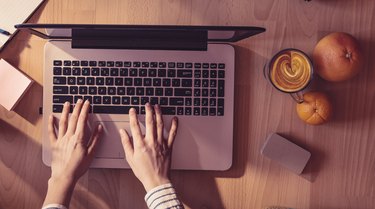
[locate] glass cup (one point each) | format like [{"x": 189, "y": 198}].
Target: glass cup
[{"x": 289, "y": 71}]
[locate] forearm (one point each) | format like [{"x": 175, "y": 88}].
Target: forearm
[
  {"x": 59, "y": 191},
  {"x": 163, "y": 196}
]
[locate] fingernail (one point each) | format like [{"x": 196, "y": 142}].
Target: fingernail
[
  {"x": 100, "y": 127},
  {"x": 66, "y": 103},
  {"x": 147, "y": 104},
  {"x": 157, "y": 106},
  {"x": 79, "y": 101},
  {"x": 87, "y": 101}
]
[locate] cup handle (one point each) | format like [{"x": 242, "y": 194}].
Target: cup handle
[{"x": 298, "y": 97}]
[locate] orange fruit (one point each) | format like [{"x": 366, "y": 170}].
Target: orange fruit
[
  {"x": 315, "y": 108},
  {"x": 337, "y": 57}
]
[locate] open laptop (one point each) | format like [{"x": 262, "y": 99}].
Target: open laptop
[{"x": 188, "y": 70}]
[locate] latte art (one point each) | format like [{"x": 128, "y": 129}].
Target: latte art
[{"x": 290, "y": 71}]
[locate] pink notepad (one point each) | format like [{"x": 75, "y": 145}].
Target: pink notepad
[{"x": 13, "y": 84}]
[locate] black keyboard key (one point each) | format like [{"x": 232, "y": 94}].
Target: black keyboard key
[
  {"x": 162, "y": 64},
  {"x": 197, "y": 83},
  {"x": 99, "y": 81},
  {"x": 197, "y": 111},
  {"x": 133, "y": 72},
  {"x": 84, "y": 63},
  {"x": 57, "y": 71},
  {"x": 168, "y": 110},
  {"x": 95, "y": 71},
  {"x": 111, "y": 90},
  {"x": 67, "y": 71},
  {"x": 213, "y": 74},
  {"x": 93, "y": 90},
  {"x": 213, "y": 65},
  {"x": 147, "y": 82},
  {"x": 156, "y": 82},
  {"x": 92, "y": 63},
  {"x": 197, "y": 102},
  {"x": 197, "y": 92},
  {"x": 221, "y": 66},
  {"x": 188, "y": 101},
  {"x": 159, "y": 92},
  {"x": 119, "y": 81},
  {"x": 185, "y": 92},
  {"x": 171, "y": 64},
  {"x": 76, "y": 98},
  {"x": 143, "y": 72},
  {"x": 204, "y": 111},
  {"x": 162, "y": 72},
  {"x": 140, "y": 91},
  {"x": 136, "y": 64},
  {"x": 176, "y": 101},
  {"x": 171, "y": 73},
  {"x": 110, "y": 63},
  {"x": 62, "y": 99},
  {"x": 212, "y": 111},
  {"x": 152, "y": 72},
  {"x": 205, "y": 83},
  {"x": 72, "y": 80},
  {"x": 145, "y": 64},
  {"x": 149, "y": 91},
  {"x": 204, "y": 102},
  {"x": 186, "y": 83},
  {"x": 188, "y": 65},
  {"x": 180, "y": 110},
  {"x": 119, "y": 64},
  {"x": 135, "y": 101},
  {"x": 104, "y": 71},
  {"x": 213, "y": 102},
  {"x": 90, "y": 81},
  {"x": 109, "y": 81},
  {"x": 124, "y": 72},
  {"x": 187, "y": 110},
  {"x": 180, "y": 65},
  {"x": 125, "y": 100},
  {"x": 137, "y": 81},
  {"x": 73, "y": 90},
  {"x": 176, "y": 82},
  {"x": 86, "y": 71},
  {"x": 205, "y": 74},
  {"x": 107, "y": 100},
  {"x": 114, "y": 72},
  {"x": 163, "y": 101},
  {"x": 67, "y": 63},
  {"x": 197, "y": 65},
  {"x": 75, "y": 63},
  {"x": 221, "y": 74},
  {"x": 130, "y": 91},
  {"x": 166, "y": 82},
  {"x": 57, "y": 62},
  {"x": 205, "y": 65},
  {"x": 81, "y": 81},
  {"x": 197, "y": 73},
  {"x": 212, "y": 92},
  {"x": 128, "y": 81},
  {"x": 102, "y": 90},
  {"x": 121, "y": 91},
  {"x": 213, "y": 83},
  {"x": 204, "y": 92},
  {"x": 154, "y": 100},
  {"x": 97, "y": 100},
  {"x": 57, "y": 108},
  {"x": 111, "y": 109},
  {"x": 83, "y": 90},
  {"x": 184, "y": 73},
  {"x": 127, "y": 64},
  {"x": 221, "y": 88},
  {"x": 144, "y": 100},
  {"x": 60, "y": 90},
  {"x": 88, "y": 98},
  {"x": 153, "y": 64},
  {"x": 168, "y": 92},
  {"x": 116, "y": 100}
]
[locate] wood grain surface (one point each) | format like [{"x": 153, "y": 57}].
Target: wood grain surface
[{"x": 341, "y": 172}]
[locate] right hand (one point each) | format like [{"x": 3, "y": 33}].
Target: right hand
[{"x": 149, "y": 155}]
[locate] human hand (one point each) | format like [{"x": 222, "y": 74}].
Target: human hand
[
  {"x": 149, "y": 155},
  {"x": 72, "y": 152}
]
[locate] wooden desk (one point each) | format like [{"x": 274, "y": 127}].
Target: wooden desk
[{"x": 341, "y": 173}]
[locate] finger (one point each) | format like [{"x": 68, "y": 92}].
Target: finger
[
  {"x": 94, "y": 141},
  {"x": 126, "y": 143},
  {"x": 63, "y": 124},
  {"x": 172, "y": 132},
  {"x": 82, "y": 120},
  {"x": 150, "y": 124},
  {"x": 159, "y": 124},
  {"x": 51, "y": 129},
  {"x": 135, "y": 129},
  {"x": 74, "y": 117}
]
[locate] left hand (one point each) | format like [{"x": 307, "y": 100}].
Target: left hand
[{"x": 72, "y": 153}]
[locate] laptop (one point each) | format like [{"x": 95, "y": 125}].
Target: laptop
[{"x": 188, "y": 70}]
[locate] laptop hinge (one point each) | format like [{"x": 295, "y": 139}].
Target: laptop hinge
[{"x": 140, "y": 39}]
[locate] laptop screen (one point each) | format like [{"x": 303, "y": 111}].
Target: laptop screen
[{"x": 141, "y": 36}]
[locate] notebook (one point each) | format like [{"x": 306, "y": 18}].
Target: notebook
[
  {"x": 15, "y": 12},
  {"x": 188, "y": 70}
]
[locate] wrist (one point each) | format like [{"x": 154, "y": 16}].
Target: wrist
[
  {"x": 59, "y": 190},
  {"x": 152, "y": 183}
]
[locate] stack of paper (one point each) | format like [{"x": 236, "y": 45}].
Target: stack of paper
[{"x": 13, "y": 12}]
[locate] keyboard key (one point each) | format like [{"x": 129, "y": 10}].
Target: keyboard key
[
  {"x": 221, "y": 74},
  {"x": 188, "y": 65},
  {"x": 213, "y": 74},
  {"x": 143, "y": 110},
  {"x": 99, "y": 81},
  {"x": 212, "y": 111},
  {"x": 57, "y": 108},
  {"x": 147, "y": 82},
  {"x": 221, "y": 66},
  {"x": 127, "y": 64},
  {"x": 119, "y": 81},
  {"x": 81, "y": 81},
  {"x": 119, "y": 64},
  {"x": 106, "y": 100},
  {"x": 205, "y": 83},
  {"x": 109, "y": 81},
  {"x": 205, "y": 102},
  {"x": 121, "y": 91},
  {"x": 75, "y": 63},
  {"x": 124, "y": 72},
  {"x": 159, "y": 92},
  {"x": 133, "y": 72},
  {"x": 156, "y": 82},
  {"x": 57, "y": 71},
  {"x": 135, "y": 101},
  {"x": 111, "y": 109},
  {"x": 102, "y": 63},
  {"x": 143, "y": 72},
  {"x": 90, "y": 81},
  {"x": 95, "y": 71},
  {"x": 82, "y": 90},
  {"x": 213, "y": 102},
  {"x": 180, "y": 110},
  {"x": 197, "y": 102},
  {"x": 116, "y": 100},
  {"x": 168, "y": 92},
  {"x": 72, "y": 80},
  {"x": 73, "y": 90},
  {"x": 128, "y": 81},
  {"x": 152, "y": 72},
  {"x": 162, "y": 64},
  {"x": 111, "y": 90},
  {"x": 180, "y": 65},
  {"x": 67, "y": 63},
  {"x": 166, "y": 82},
  {"x": 104, "y": 71},
  {"x": 137, "y": 81},
  {"x": 136, "y": 64},
  {"x": 197, "y": 83},
  {"x": 204, "y": 111},
  {"x": 176, "y": 101},
  {"x": 162, "y": 72},
  {"x": 154, "y": 100},
  {"x": 149, "y": 91},
  {"x": 84, "y": 63},
  {"x": 57, "y": 62},
  {"x": 145, "y": 64},
  {"x": 163, "y": 101},
  {"x": 205, "y": 92},
  {"x": 93, "y": 90},
  {"x": 205, "y": 74},
  {"x": 60, "y": 90},
  {"x": 197, "y": 65},
  {"x": 212, "y": 92},
  {"x": 76, "y": 98},
  {"x": 168, "y": 110},
  {"x": 187, "y": 110},
  {"x": 153, "y": 64},
  {"x": 221, "y": 88},
  {"x": 197, "y": 111},
  {"x": 205, "y": 65},
  {"x": 197, "y": 73},
  {"x": 125, "y": 100},
  {"x": 97, "y": 100},
  {"x": 171, "y": 73},
  {"x": 130, "y": 91},
  {"x": 213, "y": 83},
  {"x": 62, "y": 99},
  {"x": 102, "y": 91},
  {"x": 144, "y": 100},
  {"x": 114, "y": 72},
  {"x": 67, "y": 71},
  {"x": 197, "y": 92},
  {"x": 92, "y": 63},
  {"x": 184, "y": 73},
  {"x": 110, "y": 63},
  {"x": 185, "y": 92},
  {"x": 213, "y": 65},
  {"x": 176, "y": 82},
  {"x": 140, "y": 91},
  {"x": 188, "y": 102},
  {"x": 186, "y": 83},
  {"x": 171, "y": 64},
  {"x": 88, "y": 98}
]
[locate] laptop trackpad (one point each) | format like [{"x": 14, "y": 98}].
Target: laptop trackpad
[{"x": 110, "y": 145}]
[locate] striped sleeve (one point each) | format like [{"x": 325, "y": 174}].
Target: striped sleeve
[{"x": 163, "y": 197}]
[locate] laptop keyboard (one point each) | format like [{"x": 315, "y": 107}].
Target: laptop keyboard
[{"x": 113, "y": 87}]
